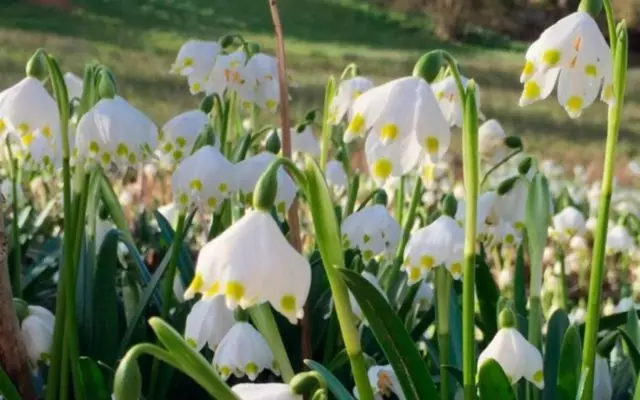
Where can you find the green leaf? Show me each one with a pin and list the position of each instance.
(185, 263)
(142, 273)
(456, 373)
(607, 344)
(7, 390)
(493, 383)
(393, 338)
(636, 393)
(92, 380)
(105, 302)
(488, 295)
(537, 223)
(631, 348)
(632, 327)
(520, 291)
(423, 323)
(332, 382)
(569, 365)
(557, 326)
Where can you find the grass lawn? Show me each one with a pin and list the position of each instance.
(139, 39)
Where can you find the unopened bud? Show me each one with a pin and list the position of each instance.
(106, 84)
(264, 194)
(513, 142)
(525, 165)
(381, 197)
(37, 65)
(127, 384)
(273, 144)
(506, 185)
(507, 318)
(428, 66)
(206, 105)
(449, 205)
(226, 41)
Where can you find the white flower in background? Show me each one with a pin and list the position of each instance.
(578, 314)
(170, 212)
(264, 69)
(208, 322)
(179, 135)
(405, 122)
(568, 223)
(424, 296)
(619, 240)
(384, 382)
(126, 198)
(591, 224)
(517, 357)
(433, 174)
(37, 333)
(371, 230)
(579, 244)
(504, 233)
(303, 141)
(634, 167)
(336, 176)
(609, 308)
(26, 107)
(249, 171)
(230, 72)
(271, 271)
(441, 242)
(150, 171)
(74, 85)
(41, 153)
(625, 304)
(348, 92)
(573, 52)
(243, 351)
(113, 132)
(511, 206)
(355, 307)
(265, 391)
(6, 188)
(491, 145)
(505, 278)
(449, 99)
(195, 60)
(602, 387)
(485, 212)
(204, 180)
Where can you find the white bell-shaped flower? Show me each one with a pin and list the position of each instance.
(27, 106)
(195, 60)
(485, 212)
(37, 333)
(243, 351)
(264, 69)
(74, 85)
(265, 391)
(113, 132)
(446, 92)
(574, 53)
(491, 147)
(371, 230)
(230, 71)
(303, 141)
(204, 179)
(336, 176)
(602, 386)
(355, 307)
(251, 169)
(504, 233)
(384, 382)
(568, 223)
(208, 322)
(170, 212)
(517, 357)
(439, 243)
(619, 240)
(41, 153)
(433, 174)
(424, 297)
(271, 271)
(512, 206)
(179, 135)
(348, 92)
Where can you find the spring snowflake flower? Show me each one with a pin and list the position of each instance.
(433, 174)
(336, 176)
(243, 351)
(505, 278)
(511, 207)
(178, 136)
(37, 333)
(348, 92)
(264, 69)
(384, 382)
(251, 169)
(448, 97)
(271, 271)
(113, 132)
(303, 141)
(41, 153)
(373, 231)
(491, 145)
(568, 223)
(204, 179)
(265, 391)
(504, 233)
(424, 297)
(74, 85)
(485, 212)
(517, 357)
(230, 72)
(208, 322)
(574, 53)
(195, 60)
(26, 107)
(439, 243)
(405, 122)
(619, 240)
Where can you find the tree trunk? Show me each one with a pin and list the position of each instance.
(449, 18)
(13, 355)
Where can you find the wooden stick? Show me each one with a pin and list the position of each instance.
(293, 219)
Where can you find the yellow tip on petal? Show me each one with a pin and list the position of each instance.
(357, 124)
(574, 106)
(382, 168)
(389, 132)
(591, 70)
(234, 291)
(288, 303)
(551, 57)
(432, 144)
(426, 262)
(456, 269)
(528, 69)
(531, 92)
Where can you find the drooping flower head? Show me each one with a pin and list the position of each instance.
(348, 92)
(446, 92)
(179, 135)
(195, 60)
(371, 230)
(243, 351)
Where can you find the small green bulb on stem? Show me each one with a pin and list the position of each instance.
(264, 194)
(381, 198)
(273, 143)
(506, 185)
(592, 7)
(507, 317)
(449, 205)
(127, 383)
(428, 65)
(37, 65)
(525, 165)
(513, 142)
(206, 105)
(106, 84)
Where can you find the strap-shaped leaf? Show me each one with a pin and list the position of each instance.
(569, 365)
(393, 338)
(493, 383)
(558, 325)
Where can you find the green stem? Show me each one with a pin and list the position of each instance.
(535, 337)
(564, 290)
(453, 67)
(611, 25)
(326, 122)
(368, 198)
(262, 317)
(400, 199)
(443, 292)
(519, 288)
(16, 266)
(352, 195)
(599, 245)
(499, 164)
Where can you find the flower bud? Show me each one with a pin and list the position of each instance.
(206, 105)
(592, 7)
(310, 116)
(381, 198)
(525, 166)
(305, 382)
(226, 41)
(507, 318)
(253, 48)
(264, 194)
(428, 66)
(127, 383)
(506, 185)
(22, 309)
(273, 144)
(449, 205)
(37, 65)
(106, 84)
(513, 142)
(301, 127)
